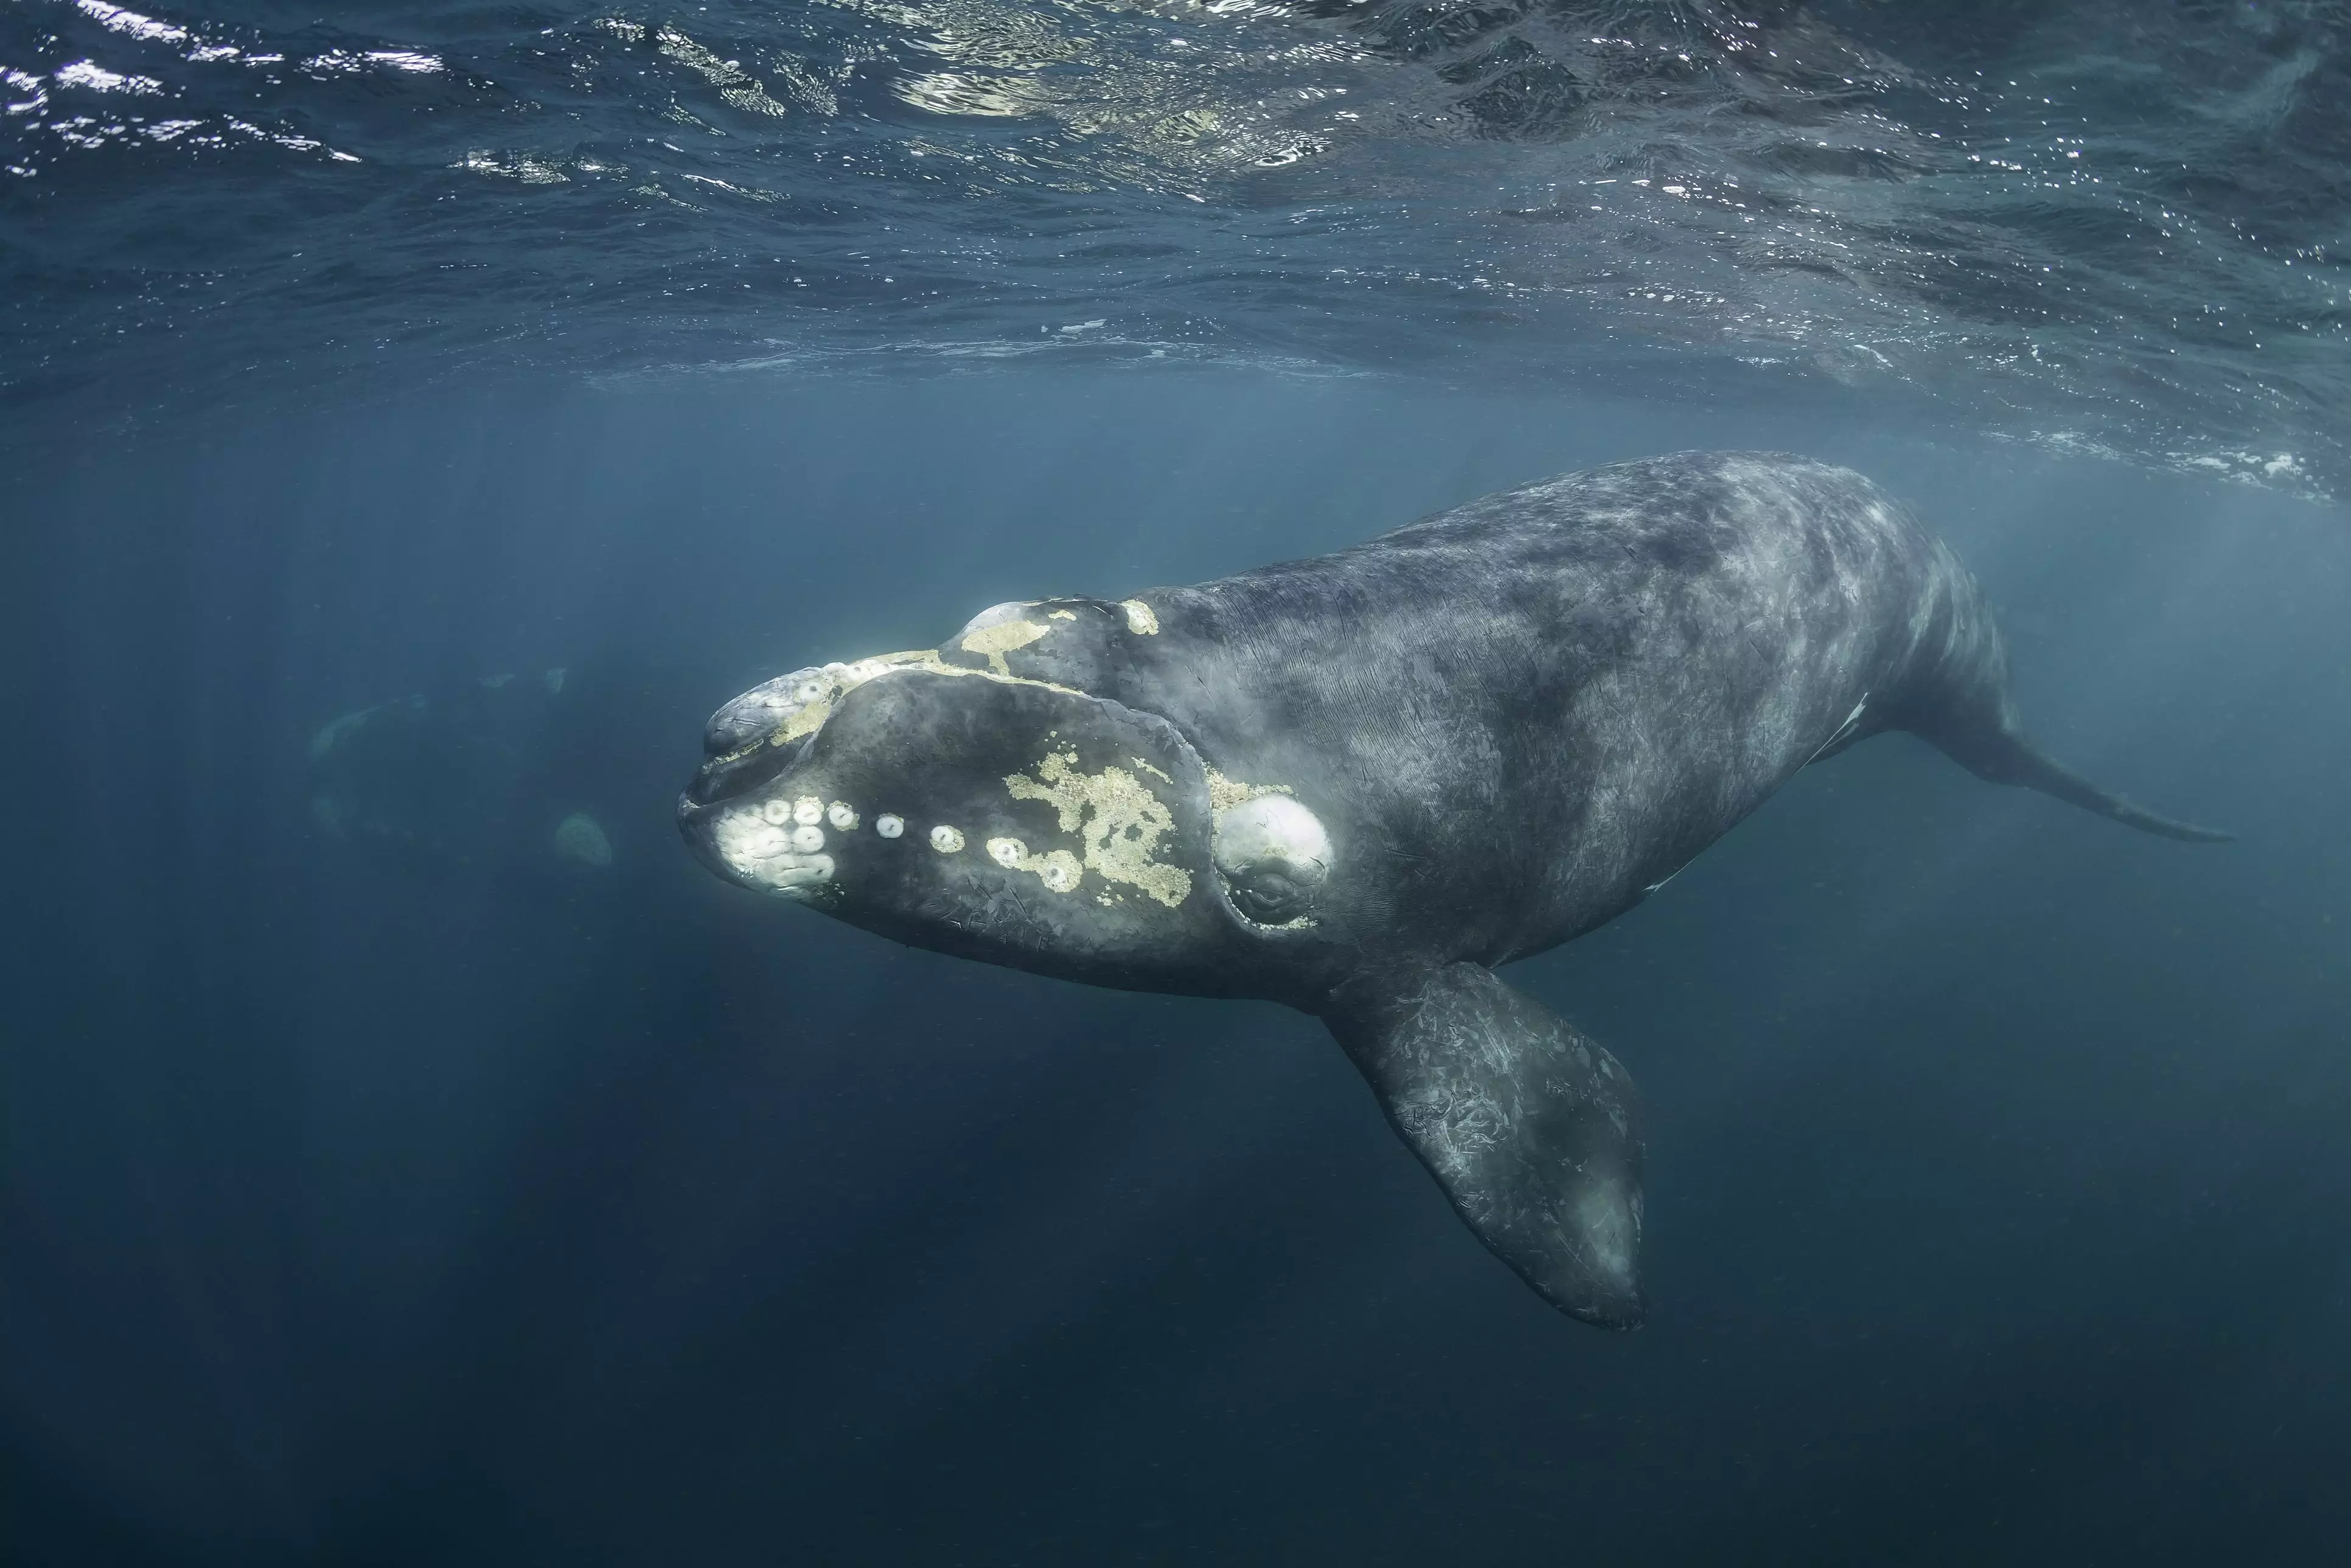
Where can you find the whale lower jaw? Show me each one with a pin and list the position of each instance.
(745, 842)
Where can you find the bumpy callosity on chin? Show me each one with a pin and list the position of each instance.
(761, 844)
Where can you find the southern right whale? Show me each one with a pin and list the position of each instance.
(1358, 784)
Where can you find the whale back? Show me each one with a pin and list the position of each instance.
(1517, 714)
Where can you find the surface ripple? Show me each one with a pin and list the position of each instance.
(2104, 224)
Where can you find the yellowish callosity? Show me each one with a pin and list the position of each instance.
(929, 662)
(846, 678)
(839, 680)
(1058, 870)
(1118, 818)
(1139, 618)
(997, 641)
(806, 722)
(1224, 792)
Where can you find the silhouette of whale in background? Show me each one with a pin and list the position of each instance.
(506, 771)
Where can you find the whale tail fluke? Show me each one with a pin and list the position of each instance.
(2004, 755)
(1531, 1130)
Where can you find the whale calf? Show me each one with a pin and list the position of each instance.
(1358, 784)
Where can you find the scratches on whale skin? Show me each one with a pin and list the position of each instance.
(992, 917)
(1001, 915)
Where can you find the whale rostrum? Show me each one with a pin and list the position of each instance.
(1358, 784)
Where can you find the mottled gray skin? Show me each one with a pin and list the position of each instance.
(1513, 720)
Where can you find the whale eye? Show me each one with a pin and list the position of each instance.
(1273, 858)
(1269, 894)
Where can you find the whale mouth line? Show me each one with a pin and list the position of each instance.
(743, 772)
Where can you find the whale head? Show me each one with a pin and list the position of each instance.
(1011, 820)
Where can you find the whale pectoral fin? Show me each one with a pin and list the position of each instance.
(1533, 1130)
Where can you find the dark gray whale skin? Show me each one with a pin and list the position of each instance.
(1510, 723)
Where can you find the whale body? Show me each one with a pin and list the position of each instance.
(1357, 784)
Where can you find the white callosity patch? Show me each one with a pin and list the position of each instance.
(1272, 829)
(760, 847)
(1274, 857)
(889, 824)
(1121, 821)
(1141, 619)
(842, 815)
(808, 811)
(947, 840)
(580, 837)
(1058, 870)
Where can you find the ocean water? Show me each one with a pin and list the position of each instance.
(415, 420)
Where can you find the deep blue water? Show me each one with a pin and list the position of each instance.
(384, 1186)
